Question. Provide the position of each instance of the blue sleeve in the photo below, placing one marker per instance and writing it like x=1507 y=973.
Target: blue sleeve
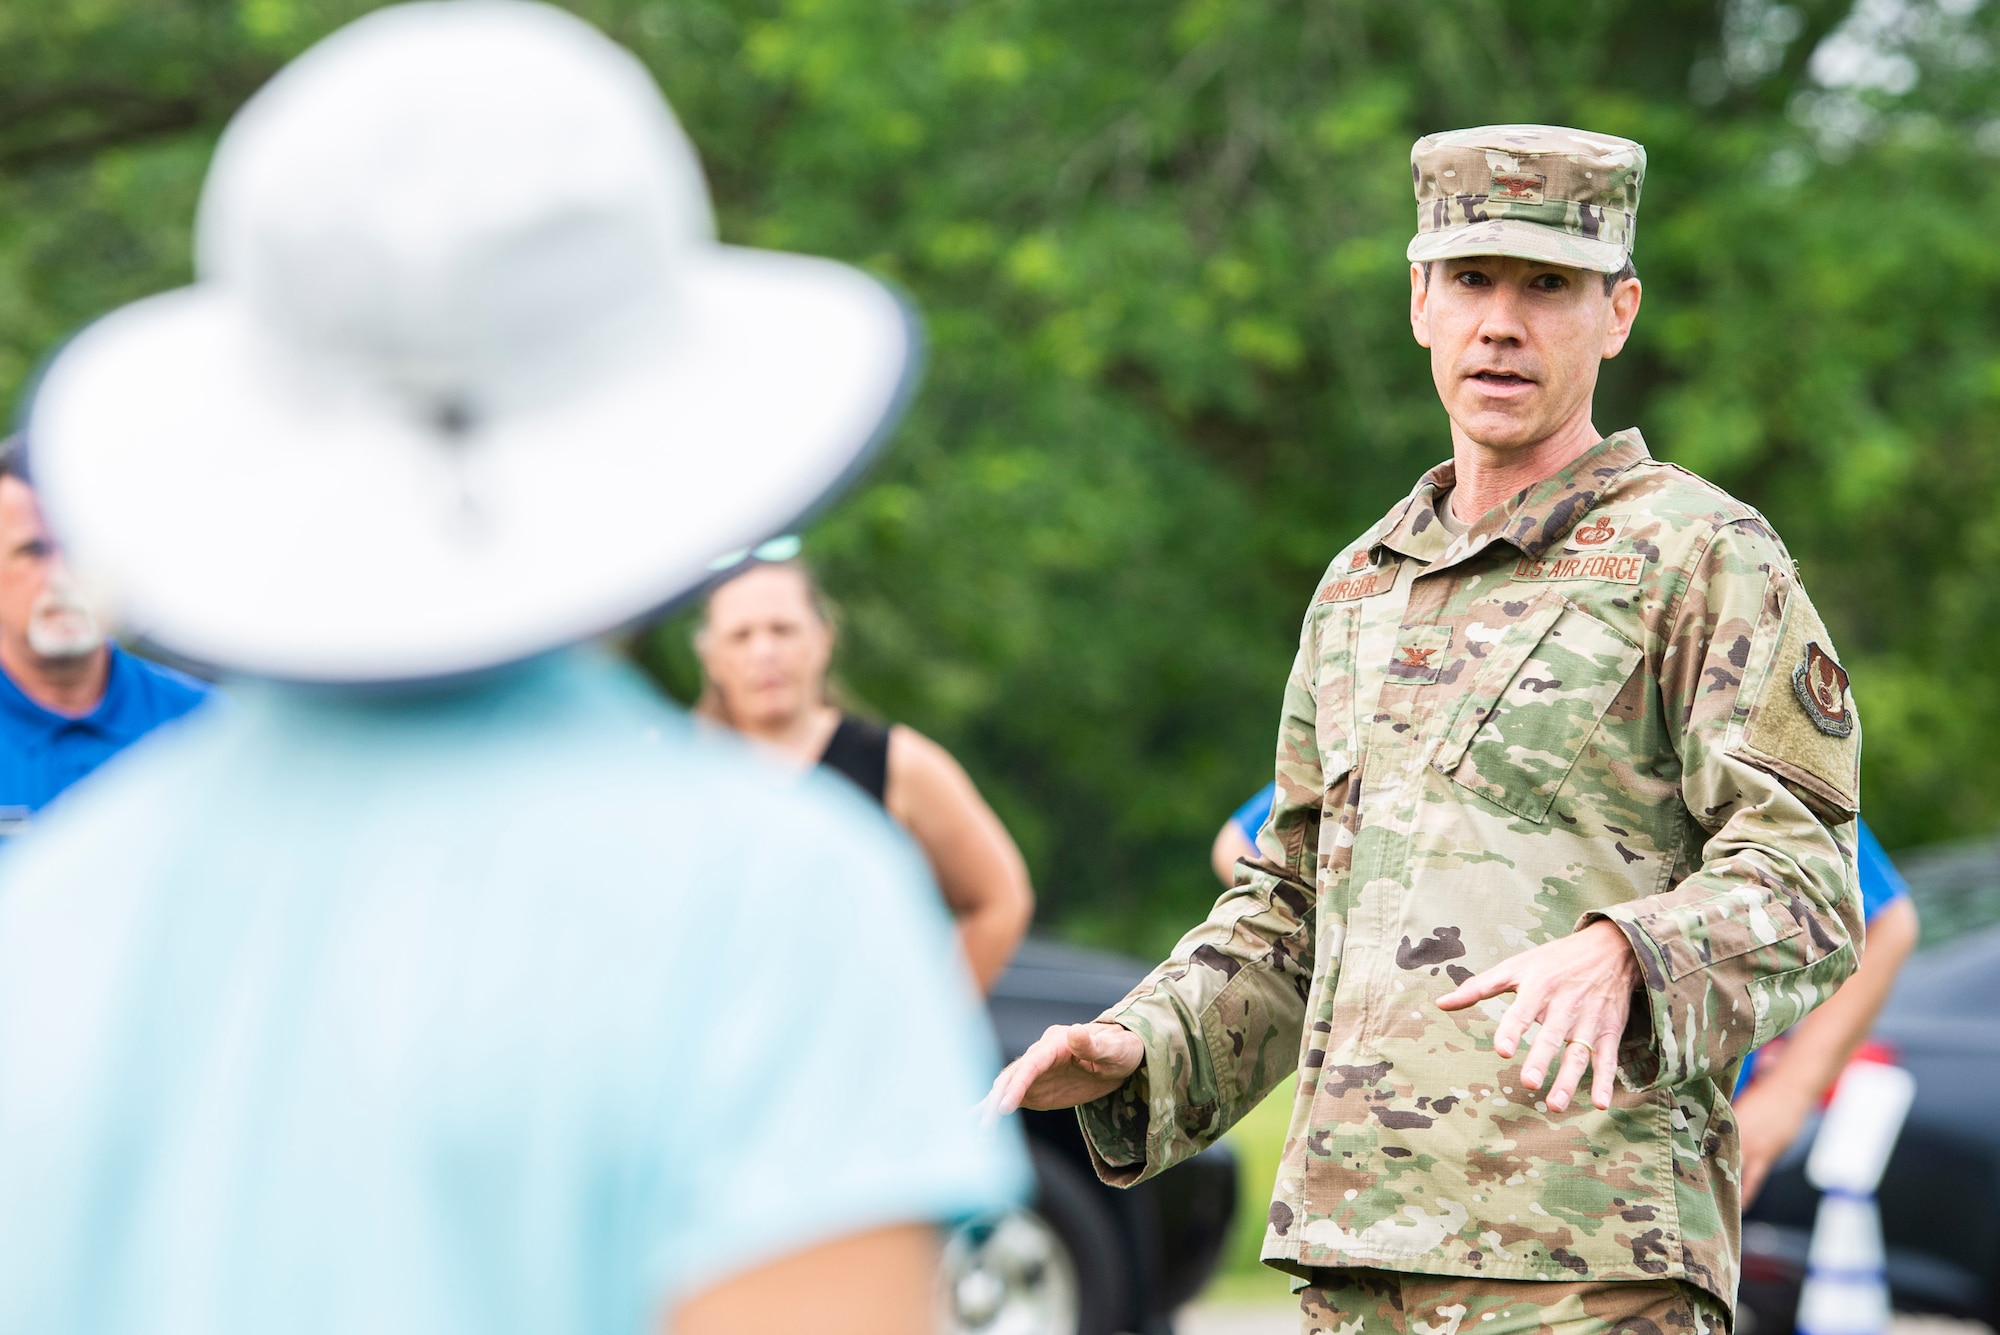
x=1881 y=883
x=843 y=1053
x=1250 y=817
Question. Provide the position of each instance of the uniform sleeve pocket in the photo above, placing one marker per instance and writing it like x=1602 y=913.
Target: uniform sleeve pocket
x=1801 y=722
x=1547 y=679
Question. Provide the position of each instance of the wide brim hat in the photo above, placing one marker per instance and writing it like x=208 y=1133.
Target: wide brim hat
x=464 y=375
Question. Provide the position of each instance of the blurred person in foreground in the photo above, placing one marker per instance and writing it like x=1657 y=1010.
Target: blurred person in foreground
x=1567 y=778
x=453 y=982
x=1782 y=1084
x=765 y=642
x=70 y=699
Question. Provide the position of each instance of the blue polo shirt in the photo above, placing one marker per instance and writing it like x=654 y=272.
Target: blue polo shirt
x=43 y=752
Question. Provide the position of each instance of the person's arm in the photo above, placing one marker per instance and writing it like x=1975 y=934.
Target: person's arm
x=1230 y=845
x=1792 y=1079
x=1762 y=930
x=1163 y=1074
x=978 y=868
x=881 y=1282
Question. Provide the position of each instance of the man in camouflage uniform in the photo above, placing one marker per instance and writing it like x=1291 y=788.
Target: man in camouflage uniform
x=1563 y=724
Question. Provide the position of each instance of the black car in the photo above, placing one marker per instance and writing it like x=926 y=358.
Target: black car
x=1940 y=1195
x=1083 y=1258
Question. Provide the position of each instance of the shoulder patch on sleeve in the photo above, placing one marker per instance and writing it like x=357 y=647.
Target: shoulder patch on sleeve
x=1802 y=725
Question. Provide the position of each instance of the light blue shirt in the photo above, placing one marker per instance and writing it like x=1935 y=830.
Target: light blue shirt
x=515 y=1007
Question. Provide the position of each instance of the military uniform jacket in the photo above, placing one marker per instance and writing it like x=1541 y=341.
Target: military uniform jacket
x=1609 y=699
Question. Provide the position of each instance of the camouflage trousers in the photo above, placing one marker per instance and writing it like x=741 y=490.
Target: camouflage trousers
x=1384 y=1302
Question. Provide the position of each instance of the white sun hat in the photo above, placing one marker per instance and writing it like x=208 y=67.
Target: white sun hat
x=464 y=374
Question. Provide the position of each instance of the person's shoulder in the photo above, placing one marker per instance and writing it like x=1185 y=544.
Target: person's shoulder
x=1671 y=486
x=1683 y=511
x=170 y=691
x=926 y=783
x=913 y=754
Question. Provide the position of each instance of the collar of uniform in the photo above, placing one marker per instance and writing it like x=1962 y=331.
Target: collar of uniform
x=1542 y=516
x=1412 y=529
x=1533 y=520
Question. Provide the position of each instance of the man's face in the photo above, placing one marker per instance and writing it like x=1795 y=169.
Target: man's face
x=40 y=612
x=764 y=648
x=1515 y=344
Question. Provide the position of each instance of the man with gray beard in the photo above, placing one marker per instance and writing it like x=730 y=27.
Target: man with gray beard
x=69 y=698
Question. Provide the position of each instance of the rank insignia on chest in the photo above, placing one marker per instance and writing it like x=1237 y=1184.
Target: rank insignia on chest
x=1359 y=561
x=1821 y=686
x=1595 y=536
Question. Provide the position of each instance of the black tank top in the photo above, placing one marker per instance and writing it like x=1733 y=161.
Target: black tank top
x=859 y=750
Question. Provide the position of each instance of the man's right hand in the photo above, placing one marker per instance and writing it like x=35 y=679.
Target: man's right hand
x=1068 y=1065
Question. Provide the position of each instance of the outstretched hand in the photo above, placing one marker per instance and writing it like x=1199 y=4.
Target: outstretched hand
x=1579 y=989
x=1069 y=1064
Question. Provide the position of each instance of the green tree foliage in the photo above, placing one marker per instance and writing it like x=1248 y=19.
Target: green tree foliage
x=1159 y=250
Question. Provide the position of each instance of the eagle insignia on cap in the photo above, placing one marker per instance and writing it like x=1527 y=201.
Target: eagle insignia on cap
x=1517 y=188
x=1821 y=685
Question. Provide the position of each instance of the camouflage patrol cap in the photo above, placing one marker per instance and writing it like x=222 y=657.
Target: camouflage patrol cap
x=1540 y=192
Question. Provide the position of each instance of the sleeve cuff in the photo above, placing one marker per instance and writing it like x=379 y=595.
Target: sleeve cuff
x=1115 y=1129
x=1641 y=1063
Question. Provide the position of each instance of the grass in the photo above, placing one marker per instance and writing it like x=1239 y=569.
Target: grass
x=1267 y=1287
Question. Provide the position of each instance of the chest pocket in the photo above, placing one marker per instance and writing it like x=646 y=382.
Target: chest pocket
x=1544 y=682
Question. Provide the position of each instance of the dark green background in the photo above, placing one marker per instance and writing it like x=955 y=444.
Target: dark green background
x=1159 y=248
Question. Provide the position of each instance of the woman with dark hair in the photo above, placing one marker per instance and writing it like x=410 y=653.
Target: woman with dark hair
x=765 y=641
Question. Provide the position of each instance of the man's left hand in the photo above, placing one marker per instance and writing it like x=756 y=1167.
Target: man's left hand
x=1579 y=989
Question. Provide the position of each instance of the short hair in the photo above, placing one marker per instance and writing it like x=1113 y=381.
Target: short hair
x=1611 y=280
x=14 y=458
